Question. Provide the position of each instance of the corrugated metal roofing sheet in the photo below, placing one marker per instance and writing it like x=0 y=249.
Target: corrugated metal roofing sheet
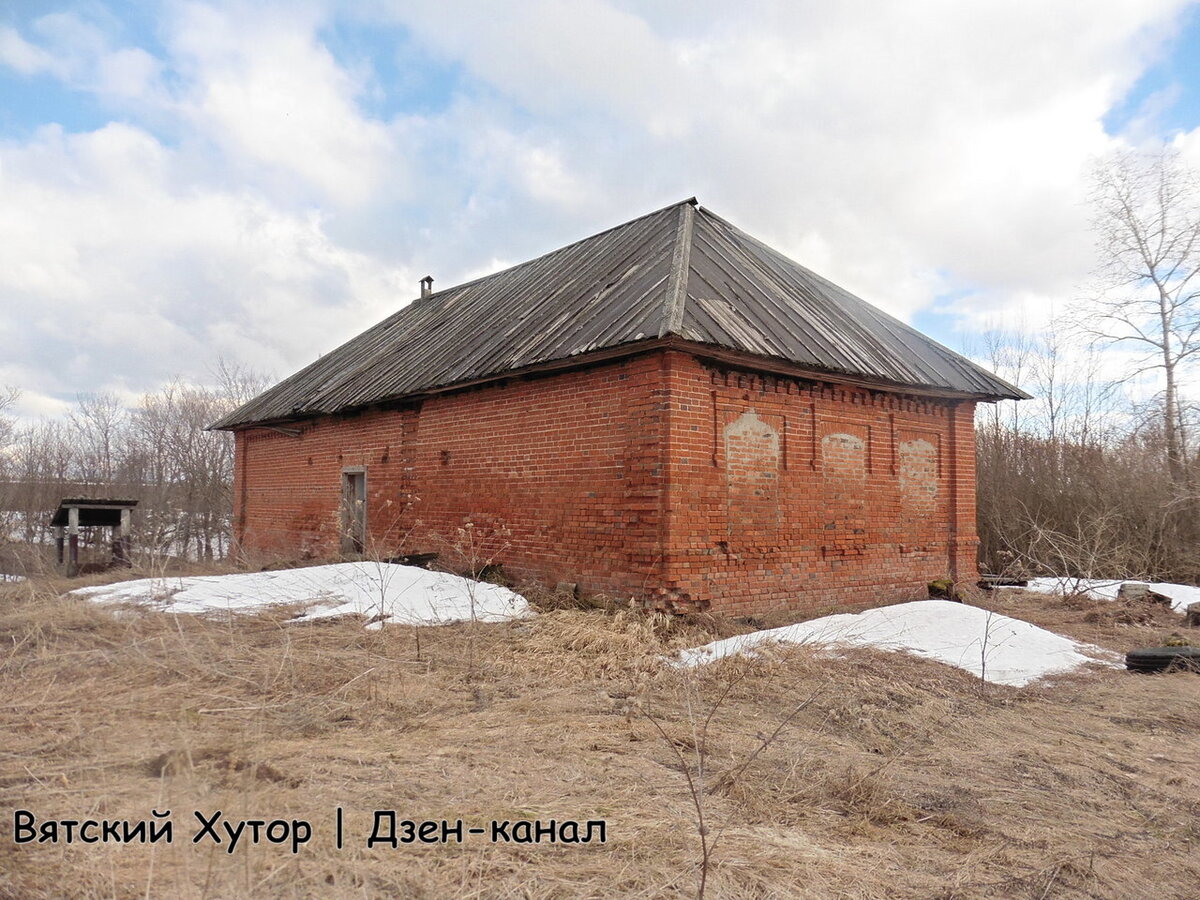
x=746 y=296
x=680 y=271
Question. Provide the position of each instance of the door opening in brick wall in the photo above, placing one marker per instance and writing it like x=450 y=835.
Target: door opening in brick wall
x=354 y=510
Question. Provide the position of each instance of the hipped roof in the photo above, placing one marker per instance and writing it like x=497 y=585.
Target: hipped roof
x=680 y=272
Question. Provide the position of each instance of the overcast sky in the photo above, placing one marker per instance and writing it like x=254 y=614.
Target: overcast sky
x=187 y=181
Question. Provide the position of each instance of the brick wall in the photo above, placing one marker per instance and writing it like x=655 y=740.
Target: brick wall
x=656 y=476
x=560 y=477
x=786 y=493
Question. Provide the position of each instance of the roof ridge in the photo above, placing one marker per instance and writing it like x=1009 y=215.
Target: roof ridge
x=690 y=202
x=680 y=271
x=681 y=263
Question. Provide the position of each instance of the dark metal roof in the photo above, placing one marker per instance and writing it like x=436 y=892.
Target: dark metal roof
x=678 y=272
x=93 y=511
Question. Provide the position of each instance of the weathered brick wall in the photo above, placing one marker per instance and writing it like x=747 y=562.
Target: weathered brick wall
x=561 y=477
x=654 y=476
x=798 y=494
x=288 y=486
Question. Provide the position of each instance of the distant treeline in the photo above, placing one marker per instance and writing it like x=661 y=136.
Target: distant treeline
x=1079 y=480
x=1100 y=475
x=158 y=452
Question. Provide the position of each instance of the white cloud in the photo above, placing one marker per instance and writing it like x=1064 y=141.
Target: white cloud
x=556 y=57
x=246 y=204
x=918 y=142
x=82 y=55
x=260 y=85
x=116 y=270
x=26 y=58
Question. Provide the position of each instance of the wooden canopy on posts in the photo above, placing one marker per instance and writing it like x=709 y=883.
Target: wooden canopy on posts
x=76 y=513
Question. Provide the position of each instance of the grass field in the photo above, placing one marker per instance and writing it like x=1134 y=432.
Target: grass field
x=890 y=776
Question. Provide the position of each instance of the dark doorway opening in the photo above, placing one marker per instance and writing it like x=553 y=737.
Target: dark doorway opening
x=354 y=511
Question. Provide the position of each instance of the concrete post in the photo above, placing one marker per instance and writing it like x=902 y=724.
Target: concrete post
x=73 y=541
x=124 y=537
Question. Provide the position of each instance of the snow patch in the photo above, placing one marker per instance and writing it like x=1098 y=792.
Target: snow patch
x=380 y=592
x=1000 y=649
x=1182 y=595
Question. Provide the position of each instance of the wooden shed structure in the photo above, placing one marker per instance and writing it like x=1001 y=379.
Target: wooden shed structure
x=78 y=513
x=668 y=410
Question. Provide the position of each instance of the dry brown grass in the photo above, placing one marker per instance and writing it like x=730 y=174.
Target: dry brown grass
x=901 y=779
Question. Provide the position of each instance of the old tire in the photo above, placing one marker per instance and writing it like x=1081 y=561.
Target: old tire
x=1159 y=659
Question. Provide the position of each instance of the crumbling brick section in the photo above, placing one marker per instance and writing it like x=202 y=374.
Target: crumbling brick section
x=843 y=491
x=920 y=468
x=752 y=480
x=660 y=478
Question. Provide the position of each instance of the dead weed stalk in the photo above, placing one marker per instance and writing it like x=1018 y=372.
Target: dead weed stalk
x=696 y=770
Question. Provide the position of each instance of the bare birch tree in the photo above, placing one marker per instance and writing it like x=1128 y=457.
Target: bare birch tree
x=1147 y=221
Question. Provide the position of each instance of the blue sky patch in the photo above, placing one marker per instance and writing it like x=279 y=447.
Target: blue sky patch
x=1169 y=91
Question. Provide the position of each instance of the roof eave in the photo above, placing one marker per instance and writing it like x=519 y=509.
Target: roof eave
x=710 y=352
x=778 y=366
x=579 y=361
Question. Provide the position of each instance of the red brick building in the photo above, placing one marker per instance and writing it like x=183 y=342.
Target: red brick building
x=668 y=410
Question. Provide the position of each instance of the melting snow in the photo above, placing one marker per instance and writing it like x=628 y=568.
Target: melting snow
x=1181 y=594
x=1004 y=650
x=378 y=591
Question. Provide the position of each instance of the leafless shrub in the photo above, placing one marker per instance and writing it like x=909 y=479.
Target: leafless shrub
x=693 y=753
x=1090 y=479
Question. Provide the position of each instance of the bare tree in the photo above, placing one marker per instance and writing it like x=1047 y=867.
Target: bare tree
x=99 y=423
x=1009 y=352
x=160 y=453
x=43 y=459
x=238 y=384
x=8 y=398
x=1147 y=221
x=186 y=470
